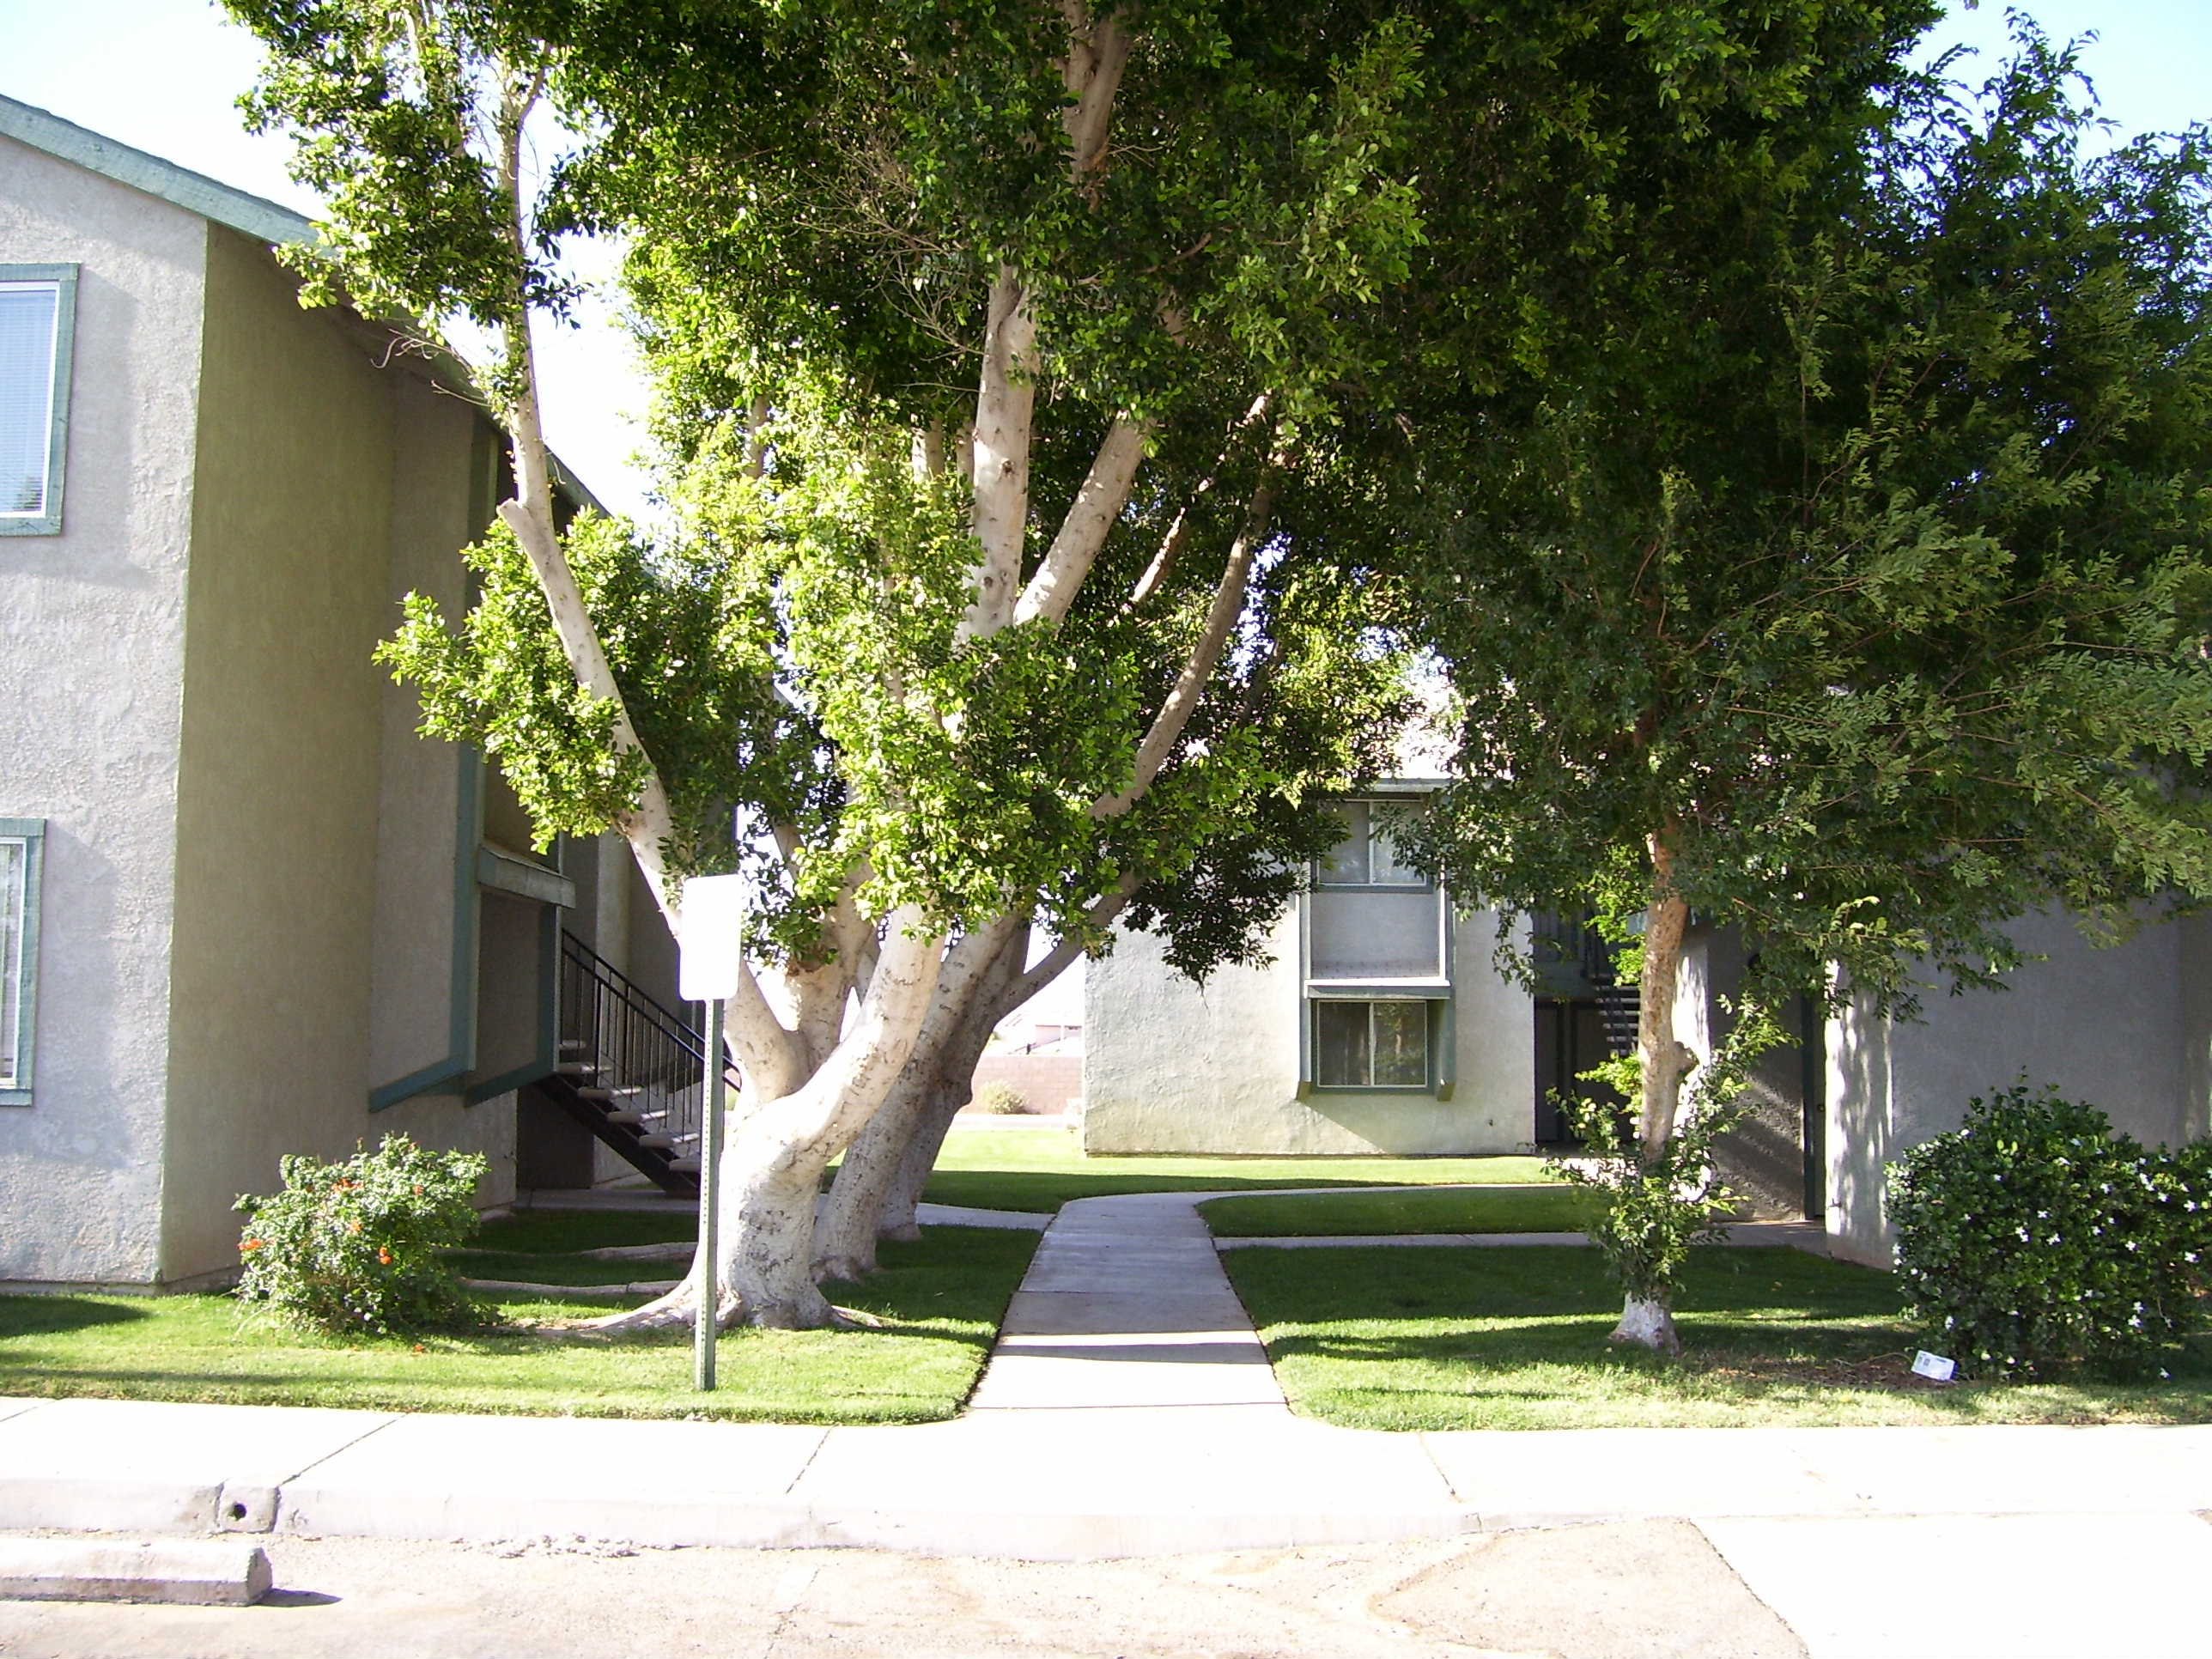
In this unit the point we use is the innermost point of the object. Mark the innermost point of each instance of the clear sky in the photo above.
(165, 75)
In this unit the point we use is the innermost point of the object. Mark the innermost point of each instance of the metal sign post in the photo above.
(710, 963)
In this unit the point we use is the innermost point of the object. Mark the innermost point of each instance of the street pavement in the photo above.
(1128, 1411)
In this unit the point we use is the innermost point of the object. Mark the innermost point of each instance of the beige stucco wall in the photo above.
(305, 447)
(276, 846)
(2123, 1028)
(91, 643)
(420, 833)
(1173, 1066)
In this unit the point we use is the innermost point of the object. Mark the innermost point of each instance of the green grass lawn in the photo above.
(941, 1301)
(1041, 1170)
(1460, 1337)
(1525, 1209)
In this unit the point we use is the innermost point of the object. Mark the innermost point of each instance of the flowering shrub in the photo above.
(2034, 1239)
(353, 1245)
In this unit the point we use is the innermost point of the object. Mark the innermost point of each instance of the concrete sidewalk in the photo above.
(1128, 1409)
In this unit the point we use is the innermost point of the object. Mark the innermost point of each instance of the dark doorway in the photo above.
(1571, 1039)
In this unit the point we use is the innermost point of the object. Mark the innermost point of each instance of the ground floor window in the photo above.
(21, 840)
(1371, 1045)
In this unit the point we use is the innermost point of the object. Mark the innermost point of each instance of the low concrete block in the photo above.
(244, 1507)
(210, 1575)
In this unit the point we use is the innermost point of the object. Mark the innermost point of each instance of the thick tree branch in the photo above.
(1171, 545)
(651, 824)
(1220, 622)
(1005, 406)
(1049, 966)
(1098, 505)
(1097, 53)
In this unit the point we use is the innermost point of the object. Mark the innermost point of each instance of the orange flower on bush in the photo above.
(385, 1256)
(247, 1247)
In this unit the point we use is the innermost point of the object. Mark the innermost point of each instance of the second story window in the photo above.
(37, 318)
(1367, 856)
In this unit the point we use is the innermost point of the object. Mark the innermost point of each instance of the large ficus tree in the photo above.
(1884, 622)
(1024, 370)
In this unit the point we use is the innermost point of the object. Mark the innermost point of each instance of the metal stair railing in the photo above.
(640, 1062)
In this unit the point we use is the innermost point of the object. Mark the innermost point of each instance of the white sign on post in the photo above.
(712, 952)
(710, 963)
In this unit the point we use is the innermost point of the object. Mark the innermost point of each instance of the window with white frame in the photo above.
(37, 306)
(1367, 854)
(1371, 1045)
(21, 842)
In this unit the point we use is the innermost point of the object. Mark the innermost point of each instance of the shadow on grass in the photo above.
(45, 1316)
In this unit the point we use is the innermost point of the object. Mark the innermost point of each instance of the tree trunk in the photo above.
(1646, 1321)
(952, 1039)
(773, 1163)
(845, 1236)
(1665, 1061)
(896, 1219)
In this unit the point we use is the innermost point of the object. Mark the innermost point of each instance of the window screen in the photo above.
(29, 336)
(15, 874)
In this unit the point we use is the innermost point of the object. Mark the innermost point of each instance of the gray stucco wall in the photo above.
(1173, 1066)
(2123, 1028)
(91, 655)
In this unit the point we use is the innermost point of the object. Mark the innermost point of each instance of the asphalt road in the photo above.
(1599, 1592)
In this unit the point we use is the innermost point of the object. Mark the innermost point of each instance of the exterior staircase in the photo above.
(631, 1070)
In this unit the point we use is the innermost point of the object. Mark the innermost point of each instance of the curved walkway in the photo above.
(1128, 1408)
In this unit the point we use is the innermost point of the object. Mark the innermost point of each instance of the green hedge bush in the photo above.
(353, 1246)
(2034, 1240)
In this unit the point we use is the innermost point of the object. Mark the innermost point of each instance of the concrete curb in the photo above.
(203, 1574)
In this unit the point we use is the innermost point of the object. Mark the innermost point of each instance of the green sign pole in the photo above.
(704, 1327)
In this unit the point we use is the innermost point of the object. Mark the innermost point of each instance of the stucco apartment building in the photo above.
(1381, 1024)
(245, 910)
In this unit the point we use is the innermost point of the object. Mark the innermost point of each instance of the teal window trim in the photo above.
(1427, 1085)
(541, 1063)
(461, 995)
(63, 277)
(32, 832)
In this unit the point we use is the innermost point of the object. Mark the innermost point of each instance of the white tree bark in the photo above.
(1665, 1061)
(774, 1158)
(1004, 409)
(939, 1106)
(1647, 1322)
(1098, 503)
(845, 1240)
(1181, 701)
(1098, 51)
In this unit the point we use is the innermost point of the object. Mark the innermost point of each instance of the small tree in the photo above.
(1861, 610)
